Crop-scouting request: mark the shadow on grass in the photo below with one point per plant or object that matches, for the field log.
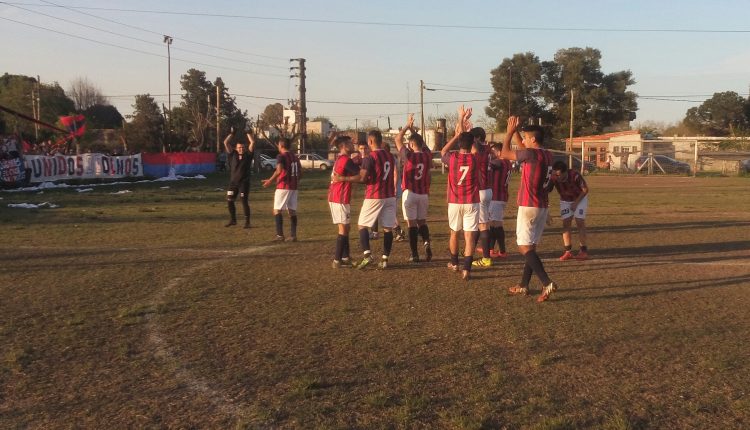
(636, 228)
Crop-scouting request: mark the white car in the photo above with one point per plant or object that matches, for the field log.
(314, 161)
(266, 162)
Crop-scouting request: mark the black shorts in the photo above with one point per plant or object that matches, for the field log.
(242, 189)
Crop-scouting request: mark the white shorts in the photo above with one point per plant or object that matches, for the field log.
(580, 212)
(340, 213)
(381, 210)
(497, 210)
(463, 216)
(414, 206)
(285, 199)
(530, 225)
(485, 197)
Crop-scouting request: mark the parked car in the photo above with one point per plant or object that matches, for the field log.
(668, 164)
(314, 161)
(266, 162)
(744, 167)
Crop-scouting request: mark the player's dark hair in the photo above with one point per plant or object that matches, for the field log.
(375, 134)
(478, 133)
(285, 142)
(560, 165)
(341, 140)
(536, 131)
(417, 138)
(496, 146)
(465, 141)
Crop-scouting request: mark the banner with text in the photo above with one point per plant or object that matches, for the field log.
(44, 168)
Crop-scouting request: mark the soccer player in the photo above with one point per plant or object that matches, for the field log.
(500, 179)
(482, 152)
(463, 193)
(339, 198)
(574, 203)
(380, 201)
(240, 162)
(533, 202)
(415, 183)
(286, 175)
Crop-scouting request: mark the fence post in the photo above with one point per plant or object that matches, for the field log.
(695, 161)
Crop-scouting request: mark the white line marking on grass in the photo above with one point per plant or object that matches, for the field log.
(155, 336)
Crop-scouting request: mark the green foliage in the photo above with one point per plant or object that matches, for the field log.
(542, 90)
(103, 116)
(15, 93)
(724, 114)
(144, 132)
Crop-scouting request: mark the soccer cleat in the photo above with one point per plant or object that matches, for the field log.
(427, 251)
(413, 259)
(279, 238)
(453, 267)
(230, 223)
(345, 262)
(546, 292)
(365, 262)
(465, 275)
(582, 255)
(383, 263)
(519, 290)
(566, 256)
(498, 254)
(336, 264)
(293, 239)
(482, 262)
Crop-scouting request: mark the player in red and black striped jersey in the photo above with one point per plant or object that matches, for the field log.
(339, 197)
(287, 175)
(463, 192)
(574, 203)
(416, 159)
(377, 173)
(483, 154)
(536, 169)
(500, 173)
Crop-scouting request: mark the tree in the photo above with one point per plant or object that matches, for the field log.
(542, 90)
(145, 131)
(15, 93)
(85, 94)
(724, 114)
(272, 117)
(103, 116)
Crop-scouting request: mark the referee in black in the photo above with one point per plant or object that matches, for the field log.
(240, 162)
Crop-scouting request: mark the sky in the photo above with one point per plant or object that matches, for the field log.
(359, 55)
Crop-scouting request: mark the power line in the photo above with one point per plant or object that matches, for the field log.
(143, 40)
(137, 50)
(404, 24)
(135, 27)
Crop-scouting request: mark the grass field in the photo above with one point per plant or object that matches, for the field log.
(141, 310)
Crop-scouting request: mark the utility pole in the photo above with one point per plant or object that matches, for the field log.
(510, 93)
(302, 101)
(168, 41)
(570, 148)
(421, 103)
(218, 119)
(33, 110)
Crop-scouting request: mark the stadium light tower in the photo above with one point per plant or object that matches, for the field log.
(168, 41)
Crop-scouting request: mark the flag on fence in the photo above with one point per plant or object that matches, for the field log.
(76, 124)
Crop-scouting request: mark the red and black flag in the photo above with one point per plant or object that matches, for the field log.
(76, 124)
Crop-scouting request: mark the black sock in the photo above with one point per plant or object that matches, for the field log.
(294, 225)
(364, 239)
(501, 239)
(339, 247)
(526, 278)
(584, 248)
(468, 259)
(484, 241)
(533, 260)
(279, 224)
(246, 209)
(387, 242)
(345, 252)
(424, 231)
(232, 210)
(375, 227)
(568, 247)
(493, 237)
(413, 233)
(454, 259)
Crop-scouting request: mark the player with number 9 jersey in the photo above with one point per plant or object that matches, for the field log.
(380, 179)
(536, 171)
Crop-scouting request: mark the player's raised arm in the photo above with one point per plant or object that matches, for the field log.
(507, 153)
(228, 139)
(251, 142)
(459, 129)
(409, 126)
